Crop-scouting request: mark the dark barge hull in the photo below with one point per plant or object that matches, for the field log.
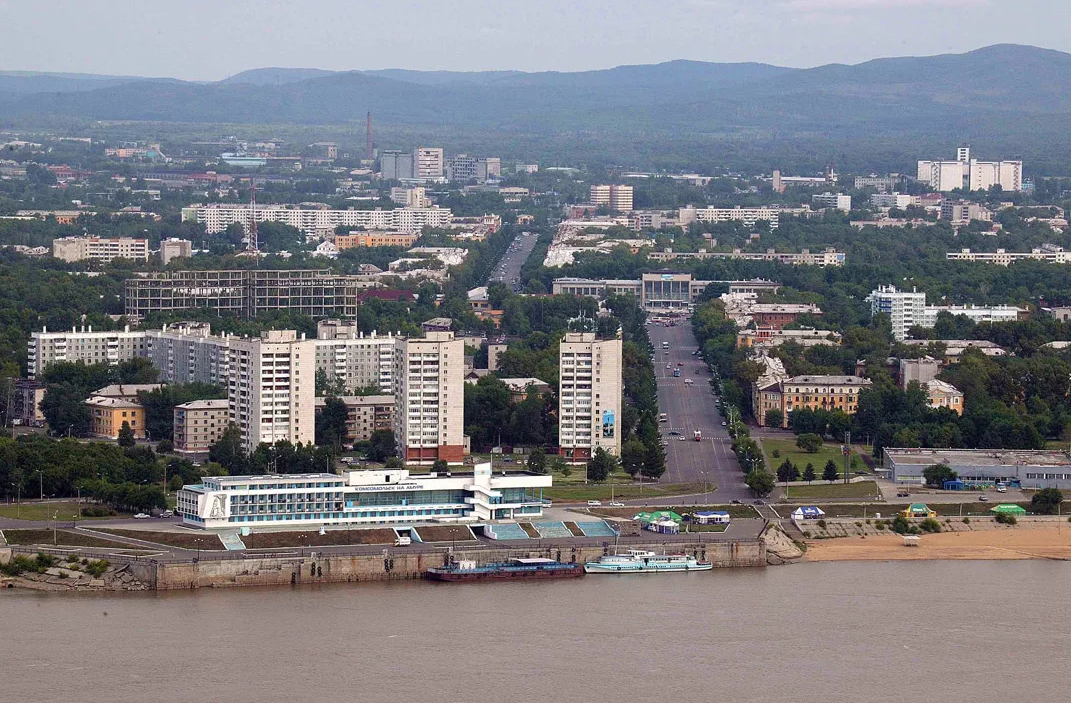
(574, 571)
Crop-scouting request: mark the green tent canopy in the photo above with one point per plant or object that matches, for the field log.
(1008, 509)
(657, 516)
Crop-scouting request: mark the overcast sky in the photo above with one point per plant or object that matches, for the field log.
(211, 39)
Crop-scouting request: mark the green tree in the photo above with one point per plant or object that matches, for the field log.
(537, 461)
(601, 465)
(393, 462)
(761, 482)
(126, 435)
(331, 422)
(440, 466)
(787, 471)
(228, 451)
(809, 473)
(829, 472)
(65, 410)
(633, 456)
(937, 474)
(654, 464)
(809, 442)
(1046, 501)
(774, 418)
(381, 445)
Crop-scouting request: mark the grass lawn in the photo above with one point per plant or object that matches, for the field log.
(63, 537)
(595, 491)
(207, 541)
(789, 450)
(67, 511)
(859, 490)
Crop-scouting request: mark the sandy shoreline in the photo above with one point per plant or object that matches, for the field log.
(1048, 541)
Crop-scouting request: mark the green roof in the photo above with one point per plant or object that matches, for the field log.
(1008, 509)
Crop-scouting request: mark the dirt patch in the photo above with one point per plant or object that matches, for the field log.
(445, 533)
(184, 540)
(574, 528)
(1039, 541)
(64, 538)
(530, 530)
(313, 538)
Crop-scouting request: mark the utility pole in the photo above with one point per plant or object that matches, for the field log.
(847, 453)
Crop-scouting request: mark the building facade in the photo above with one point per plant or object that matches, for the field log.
(353, 360)
(748, 215)
(428, 163)
(904, 308)
(365, 414)
(1043, 468)
(82, 345)
(589, 396)
(615, 197)
(171, 249)
(811, 392)
(837, 201)
(199, 424)
(429, 398)
(108, 415)
(375, 239)
(386, 497)
(971, 174)
(71, 249)
(316, 222)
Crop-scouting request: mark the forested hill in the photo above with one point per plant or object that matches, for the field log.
(999, 90)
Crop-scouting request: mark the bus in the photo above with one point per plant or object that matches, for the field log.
(665, 345)
(697, 436)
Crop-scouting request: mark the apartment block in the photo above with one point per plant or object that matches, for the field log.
(1050, 253)
(615, 197)
(107, 416)
(353, 359)
(187, 352)
(374, 239)
(971, 174)
(199, 424)
(46, 348)
(271, 388)
(365, 414)
(893, 200)
(828, 257)
(316, 222)
(837, 201)
(396, 165)
(173, 248)
(415, 197)
(429, 398)
(904, 308)
(71, 249)
(812, 392)
(589, 396)
(960, 212)
(428, 162)
(941, 394)
(748, 215)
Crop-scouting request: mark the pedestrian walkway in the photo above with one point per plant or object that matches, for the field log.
(232, 541)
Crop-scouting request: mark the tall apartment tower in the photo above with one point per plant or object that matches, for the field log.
(271, 388)
(616, 197)
(429, 398)
(904, 308)
(428, 162)
(589, 396)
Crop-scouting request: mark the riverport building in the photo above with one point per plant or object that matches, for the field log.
(1044, 468)
(391, 497)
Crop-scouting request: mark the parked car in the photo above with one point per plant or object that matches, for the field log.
(594, 503)
(734, 501)
(983, 499)
(902, 494)
(403, 541)
(166, 513)
(1002, 489)
(141, 516)
(724, 423)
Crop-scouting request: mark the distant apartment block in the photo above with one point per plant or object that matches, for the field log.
(462, 168)
(893, 200)
(415, 197)
(318, 221)
(1046, 252)
(810, 392)
(428, 163)
(960, 212)
(82, 345)
(883, 184)
(73, 249)
(657, 291)
(615, 197)
(971, 174)
(768, 336)
(907, 309)
(836, 201)
(748, 215)
(245, 293)
(429, 398)
(374, 239)
(365, 414)
(171, 249)
(829, 257)
(396, 165)
(589, 396)
(199, 424)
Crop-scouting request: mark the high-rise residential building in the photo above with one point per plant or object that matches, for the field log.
(352, 359)
(316, 222)
(415, 197)
(82, 345)
(589, 396)
(960, 212)
(395, 165)
(428, 162)
(971, 174)
(271, 388)
(904, 308)
(175, 249)
(72, 249)
(488, 167)
(615, 197)
(429, 398)
(199, 424)
(187, 352)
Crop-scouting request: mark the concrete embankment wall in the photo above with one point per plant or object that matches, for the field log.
(396, 564)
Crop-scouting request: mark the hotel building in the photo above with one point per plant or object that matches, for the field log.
(429, 398)
(589, 396)
(391, 496)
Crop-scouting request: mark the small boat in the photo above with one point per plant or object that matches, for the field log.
(639, 561)
(514, 569)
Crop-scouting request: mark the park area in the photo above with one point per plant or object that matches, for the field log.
(787, 449)
(859, 490)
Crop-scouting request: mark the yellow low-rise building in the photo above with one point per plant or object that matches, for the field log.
(374, 239)
(107, 415)
(811, 392)
(941, 394)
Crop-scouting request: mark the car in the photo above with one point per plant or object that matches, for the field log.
(141, 516)
(683, 438)
(616, 504)
(680, 363)
(594, 503)
(669, 366)
(673, 433)
(165, 514)
(760, 502)
(724, 423)
(403, 541)
(734, 501)
(983, 499)
(903, 494)
(1002, 489)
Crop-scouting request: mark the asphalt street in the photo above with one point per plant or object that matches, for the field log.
(509, 266)
(691, 407)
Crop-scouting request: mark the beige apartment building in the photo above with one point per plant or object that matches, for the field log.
(353, 359)
(82, 344)
(813, 392)
(199, 424)
(271, 388)
(428, 162)
(429, 398)
(171, 249)
(589, 396)
(365, 414)
(72, 249)
(615, 197)
(107, 415)
(375, 239)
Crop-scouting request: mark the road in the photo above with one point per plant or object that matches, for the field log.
(509, 266)
(689, 408)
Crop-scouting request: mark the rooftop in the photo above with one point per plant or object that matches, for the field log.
(214, 404)
(978, 457)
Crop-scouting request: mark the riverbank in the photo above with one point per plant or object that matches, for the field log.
(1027, 540)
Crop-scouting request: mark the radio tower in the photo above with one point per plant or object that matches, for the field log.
(368, 137)
(253, 246)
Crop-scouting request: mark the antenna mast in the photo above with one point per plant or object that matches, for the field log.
(254, 245)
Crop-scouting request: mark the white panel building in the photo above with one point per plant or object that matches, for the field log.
(589, 396)
(429, 398)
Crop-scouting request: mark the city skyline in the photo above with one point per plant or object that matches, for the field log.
(420, 35)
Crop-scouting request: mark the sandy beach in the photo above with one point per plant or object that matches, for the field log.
(1036, 541)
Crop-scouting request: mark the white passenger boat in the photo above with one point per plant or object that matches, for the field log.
(639, 561)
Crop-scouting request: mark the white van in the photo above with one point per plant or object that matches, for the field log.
(687, 381)
(594, 503)
(403, 541)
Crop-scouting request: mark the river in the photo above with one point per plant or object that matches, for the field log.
(886, 631)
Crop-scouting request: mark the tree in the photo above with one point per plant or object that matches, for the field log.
(774, 418)
(331, 422)
(393, 462)
(381, 445)
(228, 451)
(761, 482)
(829, 472)
(809, 442)
(937, 474)
(537, 461)
(787, 471)
(126, 435)
(633, 456)
(601, 465)
(654, 464)
(809, 473)
(440, 466)
(1046, 501)
(165, 446)
(65, 410)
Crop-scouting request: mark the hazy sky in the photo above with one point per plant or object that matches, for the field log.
(211, 39)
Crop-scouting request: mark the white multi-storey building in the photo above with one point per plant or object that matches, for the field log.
(271, 388)
(72, 249)
(186, 352)
(1046, 252)
(174, 248)
(589, 396)
(415, 197)
(904, 308)
(82, 345)
(316, 222)
(429, 398)
(748, 215)
(615, 197)
(897, 200)
(428, 162)
(348, 356)
(838, 201)
(971, 174)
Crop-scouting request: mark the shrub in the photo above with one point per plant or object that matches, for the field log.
(966, 521)
(97, 568)
(880, 524)
(930, 525)
(900, 525)
(821, 523)
(1005, 519)
(97, 511)
(776, 454)
(72, 558)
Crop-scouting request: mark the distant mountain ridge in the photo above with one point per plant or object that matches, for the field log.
(993, 85)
